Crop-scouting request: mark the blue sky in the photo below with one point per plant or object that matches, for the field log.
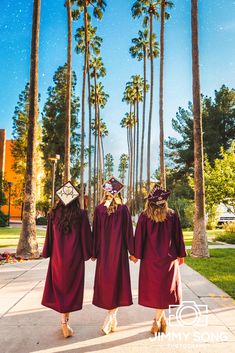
(217, 53)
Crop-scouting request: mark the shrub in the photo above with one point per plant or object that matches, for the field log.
(42, 221)
(3, 219)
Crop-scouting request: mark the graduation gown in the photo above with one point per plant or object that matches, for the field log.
(158, 244)
(112, 239)
(64, 285)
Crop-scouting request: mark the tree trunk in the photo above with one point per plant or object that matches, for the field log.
(151, 103)
(199, 244)
(68, 96)
(27, 246)
(100, 167)
(134, 160)
(89, 152)
(83, 110)
(137, 155)
(161, 124)
(143, 125)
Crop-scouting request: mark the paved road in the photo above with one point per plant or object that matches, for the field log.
(27, 327)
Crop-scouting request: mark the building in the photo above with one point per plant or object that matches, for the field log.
(6, 162)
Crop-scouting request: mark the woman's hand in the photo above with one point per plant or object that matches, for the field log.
(93, 258)
(181, 260)
(133, 259)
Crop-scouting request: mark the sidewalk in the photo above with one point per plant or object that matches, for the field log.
(27, 327)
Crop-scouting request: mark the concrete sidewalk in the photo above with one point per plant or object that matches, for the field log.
(27, 327)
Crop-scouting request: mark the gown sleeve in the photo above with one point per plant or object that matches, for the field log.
(128, 231)
(140, 235)
(179, 238)
(47, 247)
(96, 234)
(86, 237)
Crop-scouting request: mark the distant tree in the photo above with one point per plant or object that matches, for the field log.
(218, 115)
(108, 166)
(53, 127)
(123, 167)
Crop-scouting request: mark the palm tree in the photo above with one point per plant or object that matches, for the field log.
(164, 15)
(94, 44)
(148, 9)
(128, 122)
(27, 246)
(99, 99)
(140, 50)
(98, 8)
(199, 244)
(97, 70)
(68, 94)
(123, 165)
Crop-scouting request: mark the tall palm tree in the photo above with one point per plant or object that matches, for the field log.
(97, 70)
(94, 43)
(199, 244)
(164, 15)
(123, 165)
(140, 50)
(148, 9)
(98, 8)
(128, 122)
(27, 246)
(99, 99)
(68, 94)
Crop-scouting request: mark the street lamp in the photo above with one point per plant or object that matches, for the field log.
(54, 164)
(9, 201)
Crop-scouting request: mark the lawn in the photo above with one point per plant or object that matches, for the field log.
(9, 236)
(219, 268)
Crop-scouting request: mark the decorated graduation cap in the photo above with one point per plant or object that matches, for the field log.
(112, 186)
(158, 195)
(67, 193)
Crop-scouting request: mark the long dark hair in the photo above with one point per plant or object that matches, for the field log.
(69, 214)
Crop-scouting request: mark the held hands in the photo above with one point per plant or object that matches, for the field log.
(181, 260)
(133, 259)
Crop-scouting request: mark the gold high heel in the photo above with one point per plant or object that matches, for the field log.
(155, 328)
(67, 331)
(114, 324)
(163, 328)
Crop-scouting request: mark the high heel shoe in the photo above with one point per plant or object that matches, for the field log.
(163, 327)
(106, 328)
(155, 328)
(66, 329)
(114, 324)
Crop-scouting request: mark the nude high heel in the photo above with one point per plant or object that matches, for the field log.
(155, 328)
(106, 328)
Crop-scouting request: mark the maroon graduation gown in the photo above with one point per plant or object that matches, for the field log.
(112, 239)
(158, 244)
(64, 285)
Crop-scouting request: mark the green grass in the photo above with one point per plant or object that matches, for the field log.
(9, 236)
(188, 236)
(219, 268)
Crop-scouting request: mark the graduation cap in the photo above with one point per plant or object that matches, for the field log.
(67, 193)
(158, 195)
(112, 186)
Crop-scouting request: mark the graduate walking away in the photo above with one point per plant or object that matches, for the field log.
(112, 239)
(160, 245)
(68, 243)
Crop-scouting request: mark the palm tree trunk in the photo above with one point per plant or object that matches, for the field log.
(161, 125)
(143, 125)
(89, 150)
(27, 246)
(83, 110)
(68, 95)
(128, 144)
(151, 102)
(199, 244)
(134, 161)
(100, 168)
(137, 154)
